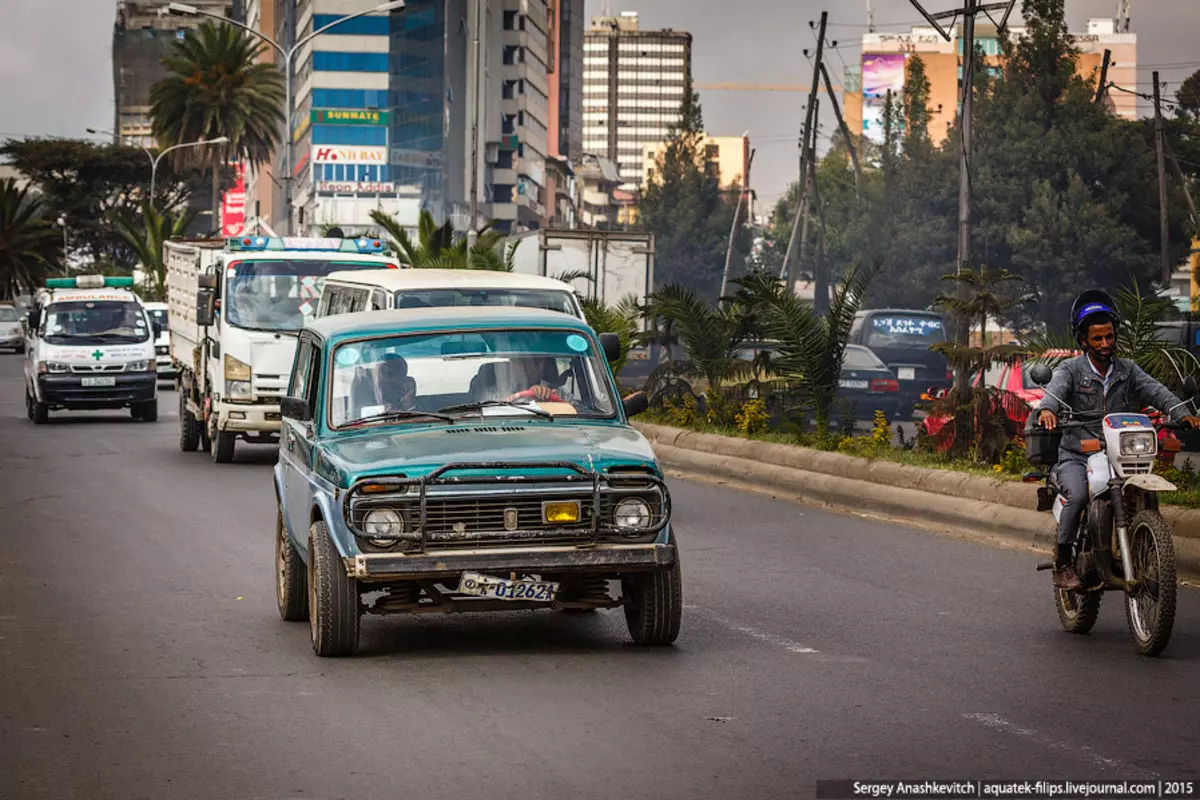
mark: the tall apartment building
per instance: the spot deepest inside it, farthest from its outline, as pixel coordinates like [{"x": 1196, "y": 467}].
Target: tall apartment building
[
  {"x": 885, "y": 56},
  {"x": 142, "y": 37},
  {"x": 633, "y": 84}
]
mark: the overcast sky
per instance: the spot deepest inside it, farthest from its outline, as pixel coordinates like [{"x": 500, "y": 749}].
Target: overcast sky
[{"x": 56, "y": 60}]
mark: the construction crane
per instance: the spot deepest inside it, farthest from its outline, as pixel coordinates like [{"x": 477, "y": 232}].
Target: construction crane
[{"x": 754, "y": 87}]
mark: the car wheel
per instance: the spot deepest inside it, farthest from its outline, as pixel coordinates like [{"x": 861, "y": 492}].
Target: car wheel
[
  {"x": 333, "y": 601},
  {"x": 149, "y": 411},
  {"x": 655, "y": 610},
  {"x": 41, "y": 413},
  {"x": 291, "y": 578}
]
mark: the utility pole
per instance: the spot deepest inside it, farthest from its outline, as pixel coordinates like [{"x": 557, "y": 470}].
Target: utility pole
[
  {"x": 1163, "y": 232},
  {"x": 473, "y": 230},
  {"x": 964, "y": 164},
  {"x": 810, "y": 151},
  {"x": 737, "y": 212},
  {"x": 1102, "y": 87},
  {"x": 810, "y": 112}
]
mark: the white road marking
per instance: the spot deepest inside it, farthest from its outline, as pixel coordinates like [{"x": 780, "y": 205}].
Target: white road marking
[
  {"x": 755, "y": 633},
  {"x": 1080, "y": 751}
]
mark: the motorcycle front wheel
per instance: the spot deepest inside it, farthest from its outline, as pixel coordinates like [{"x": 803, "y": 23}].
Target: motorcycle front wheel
[
  {"x": 1077, "y": 611},
  {"x": 1150, "y": 609}
]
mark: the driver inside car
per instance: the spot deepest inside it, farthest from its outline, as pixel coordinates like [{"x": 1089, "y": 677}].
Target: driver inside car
[{"x": 538, "y": 378}]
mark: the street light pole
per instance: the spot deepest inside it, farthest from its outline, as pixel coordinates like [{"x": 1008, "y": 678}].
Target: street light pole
[
  {"x": 155, "y": 160},
  {"x": 190, "y": 10}
]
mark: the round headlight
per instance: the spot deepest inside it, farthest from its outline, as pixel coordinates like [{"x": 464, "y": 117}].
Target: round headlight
[
  {"x": 632, "y": 513},
  {"x": 383, "y": 522}
]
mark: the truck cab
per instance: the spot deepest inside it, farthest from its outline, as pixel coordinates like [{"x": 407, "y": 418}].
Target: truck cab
[
  {"x": 236, "y": 307},
  {"x": 90, "y": 345}
]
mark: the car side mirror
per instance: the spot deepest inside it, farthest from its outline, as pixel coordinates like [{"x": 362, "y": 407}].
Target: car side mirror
[
  {"x": 295, "y": 408},
  {"x": 635, "y": 404},
  {"x": 206, "y": 281},
  {"x": 612, "y": 346},
  {"x": 1040, "y": 374},
  {"x": 1190, "y": 389},
  {"x": 205, "y": 307}
]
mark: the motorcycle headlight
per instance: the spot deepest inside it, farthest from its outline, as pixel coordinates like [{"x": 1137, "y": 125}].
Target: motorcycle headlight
[
  {"x": 236, "y": 370},
  {"x": 632, "y": 513},
  {"x": 383, "y": 522},
  {"x": 1139, "y": 443},
  {"x": 139, "y": 366},
  {"x": 52, "y": 367},
  {"x": 237, "y": 389}
]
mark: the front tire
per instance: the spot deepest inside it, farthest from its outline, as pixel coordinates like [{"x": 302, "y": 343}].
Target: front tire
[
  {"x": 189, "y": 429},
  {"x": 655, "y": 610},
  {"x": 41, "y": 413},
  {"x": 1150, "y": 610},
  {"x": 150, "y": 411},
  {"x": 333, "y": 602},
  {"x": 291, "y": 578},
  {"x": 1077, "y": 611},
  {"x": 223, "y": 446}
]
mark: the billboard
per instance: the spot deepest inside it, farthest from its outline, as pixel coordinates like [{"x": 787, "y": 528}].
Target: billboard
[
  {"x": 233, "y": 205},
  {"x": 881, "y": 72},
  {"x": 349, "y": 116},
  {"x": 345, "y": 154},
  {"x": 357, "y": 187},
  {"x": 421, "y": 159}
]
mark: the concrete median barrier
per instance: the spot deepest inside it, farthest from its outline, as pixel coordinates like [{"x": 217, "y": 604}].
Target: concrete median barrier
[{"x": 957, "y": 502}]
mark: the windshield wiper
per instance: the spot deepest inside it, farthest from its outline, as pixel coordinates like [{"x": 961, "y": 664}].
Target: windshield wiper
[
  {"x": 390, "y": 415},
  {"x": 493, "y": 403}
]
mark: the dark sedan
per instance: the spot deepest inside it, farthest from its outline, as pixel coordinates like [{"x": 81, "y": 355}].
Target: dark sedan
[{"x": 867, "y": 383}]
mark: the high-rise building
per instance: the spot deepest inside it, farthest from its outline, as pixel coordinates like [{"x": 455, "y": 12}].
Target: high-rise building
[
  {"x": 633, "y": 84},
  {"x": 885, "y": 57},
  {"x": 142, "y": 37}
]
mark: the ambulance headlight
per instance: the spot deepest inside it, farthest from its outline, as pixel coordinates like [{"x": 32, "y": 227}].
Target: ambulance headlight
[
  {"x": 1139, "y": 443},
  {"x": 52, "y": 367},
  {"x": 139, "y": 366}
]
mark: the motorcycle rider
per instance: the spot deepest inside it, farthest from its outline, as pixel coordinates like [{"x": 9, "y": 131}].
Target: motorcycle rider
[{"x": 1094, "y": 384}]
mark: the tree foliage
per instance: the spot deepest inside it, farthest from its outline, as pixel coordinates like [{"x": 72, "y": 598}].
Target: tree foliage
[
  {"x": 29, "y": 244},
  {"x": 1064, "y": 192},
  {"x": 146, "y": 236},
  {"x": 87, "y": 183},
  {"x": 216, "y": 86},
  {"x": 685, "y": 208},
  {"x": 437, "y": 247}
]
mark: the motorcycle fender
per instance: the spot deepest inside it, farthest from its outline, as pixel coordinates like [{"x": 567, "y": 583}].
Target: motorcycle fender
[
  {"x": 1098, "y": 474},
  {"x": 1059, "y": 503},
  {"x": 1151, "y": 483}
]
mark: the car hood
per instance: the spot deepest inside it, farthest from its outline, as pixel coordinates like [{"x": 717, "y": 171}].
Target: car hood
[{"x": 415, "y": 453}]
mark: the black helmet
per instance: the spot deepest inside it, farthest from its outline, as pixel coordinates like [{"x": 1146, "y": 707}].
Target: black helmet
[{"x": 1093, "y": 307}]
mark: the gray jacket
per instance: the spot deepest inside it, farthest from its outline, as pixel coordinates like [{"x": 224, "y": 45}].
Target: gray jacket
[{"x": 1130, "y": 390}]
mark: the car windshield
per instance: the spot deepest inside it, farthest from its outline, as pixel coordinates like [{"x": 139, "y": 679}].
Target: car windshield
[
  {"x": 860, "y": 358},
  {"x": 8, "y": 315},
  {"x": 549, "y": 299},
  {"x": 95, "y": 322},
  {"x": 277, "y": 295},
  {"x": 904, "y": 330},
  {"x": 466, "y": 374}
]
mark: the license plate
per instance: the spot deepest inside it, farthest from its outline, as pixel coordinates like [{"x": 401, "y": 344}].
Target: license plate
[
  {"x": 477, "y": 585},
  {"x": 849, "y": 384},
  {"x": 99, "y": 381},
  {"x": 906, "y": 373}
]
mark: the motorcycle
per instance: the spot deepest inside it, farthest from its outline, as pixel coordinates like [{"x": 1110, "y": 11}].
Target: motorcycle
[{"x": 1122, "y": 498}]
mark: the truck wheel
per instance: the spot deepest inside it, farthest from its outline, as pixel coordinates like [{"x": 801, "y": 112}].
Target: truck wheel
[
  {"x": 333, "y": 601},
  {"x": 222, "y": 447},
  {"x": 291, "y": 579},
  {"x": 189, "y": 431},
  {"x": 656, "y": 608}
]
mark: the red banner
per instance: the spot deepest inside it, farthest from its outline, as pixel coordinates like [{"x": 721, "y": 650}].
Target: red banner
[{"x": 233, "y": 205}]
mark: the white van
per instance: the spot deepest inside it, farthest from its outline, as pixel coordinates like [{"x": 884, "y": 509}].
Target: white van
[
  {"x": 162, "y": 345},
  {"x": 378, "y": 289},
  {"x": 90, "y": 345}
]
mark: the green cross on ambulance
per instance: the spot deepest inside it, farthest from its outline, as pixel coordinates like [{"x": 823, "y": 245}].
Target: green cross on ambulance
[{"x": 90, "y": 345}]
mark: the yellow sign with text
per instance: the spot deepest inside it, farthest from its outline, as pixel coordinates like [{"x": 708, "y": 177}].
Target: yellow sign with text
[{"x": 349, "y": 116}]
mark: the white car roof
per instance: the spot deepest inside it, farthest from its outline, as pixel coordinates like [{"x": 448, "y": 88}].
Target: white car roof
[{"x": 396, "y": 279}]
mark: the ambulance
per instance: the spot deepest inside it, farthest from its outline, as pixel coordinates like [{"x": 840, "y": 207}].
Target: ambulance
[{"x": 90, "y": 345}]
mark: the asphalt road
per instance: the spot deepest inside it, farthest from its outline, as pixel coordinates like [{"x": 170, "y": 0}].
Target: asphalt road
[{"x": 141, "y": 655}]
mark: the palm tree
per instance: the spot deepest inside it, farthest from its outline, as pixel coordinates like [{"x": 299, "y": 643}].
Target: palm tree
[
  {"x": 215, "y": 86},
  {"x": 146, "y": 241},
  {"x": 29, "y": 245},
  {"x": 811, "y": 346},
  {"x": 624, "y": 319},
  {"x": 436, "y": 247},
  {"x": 713, "y": 338}
]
